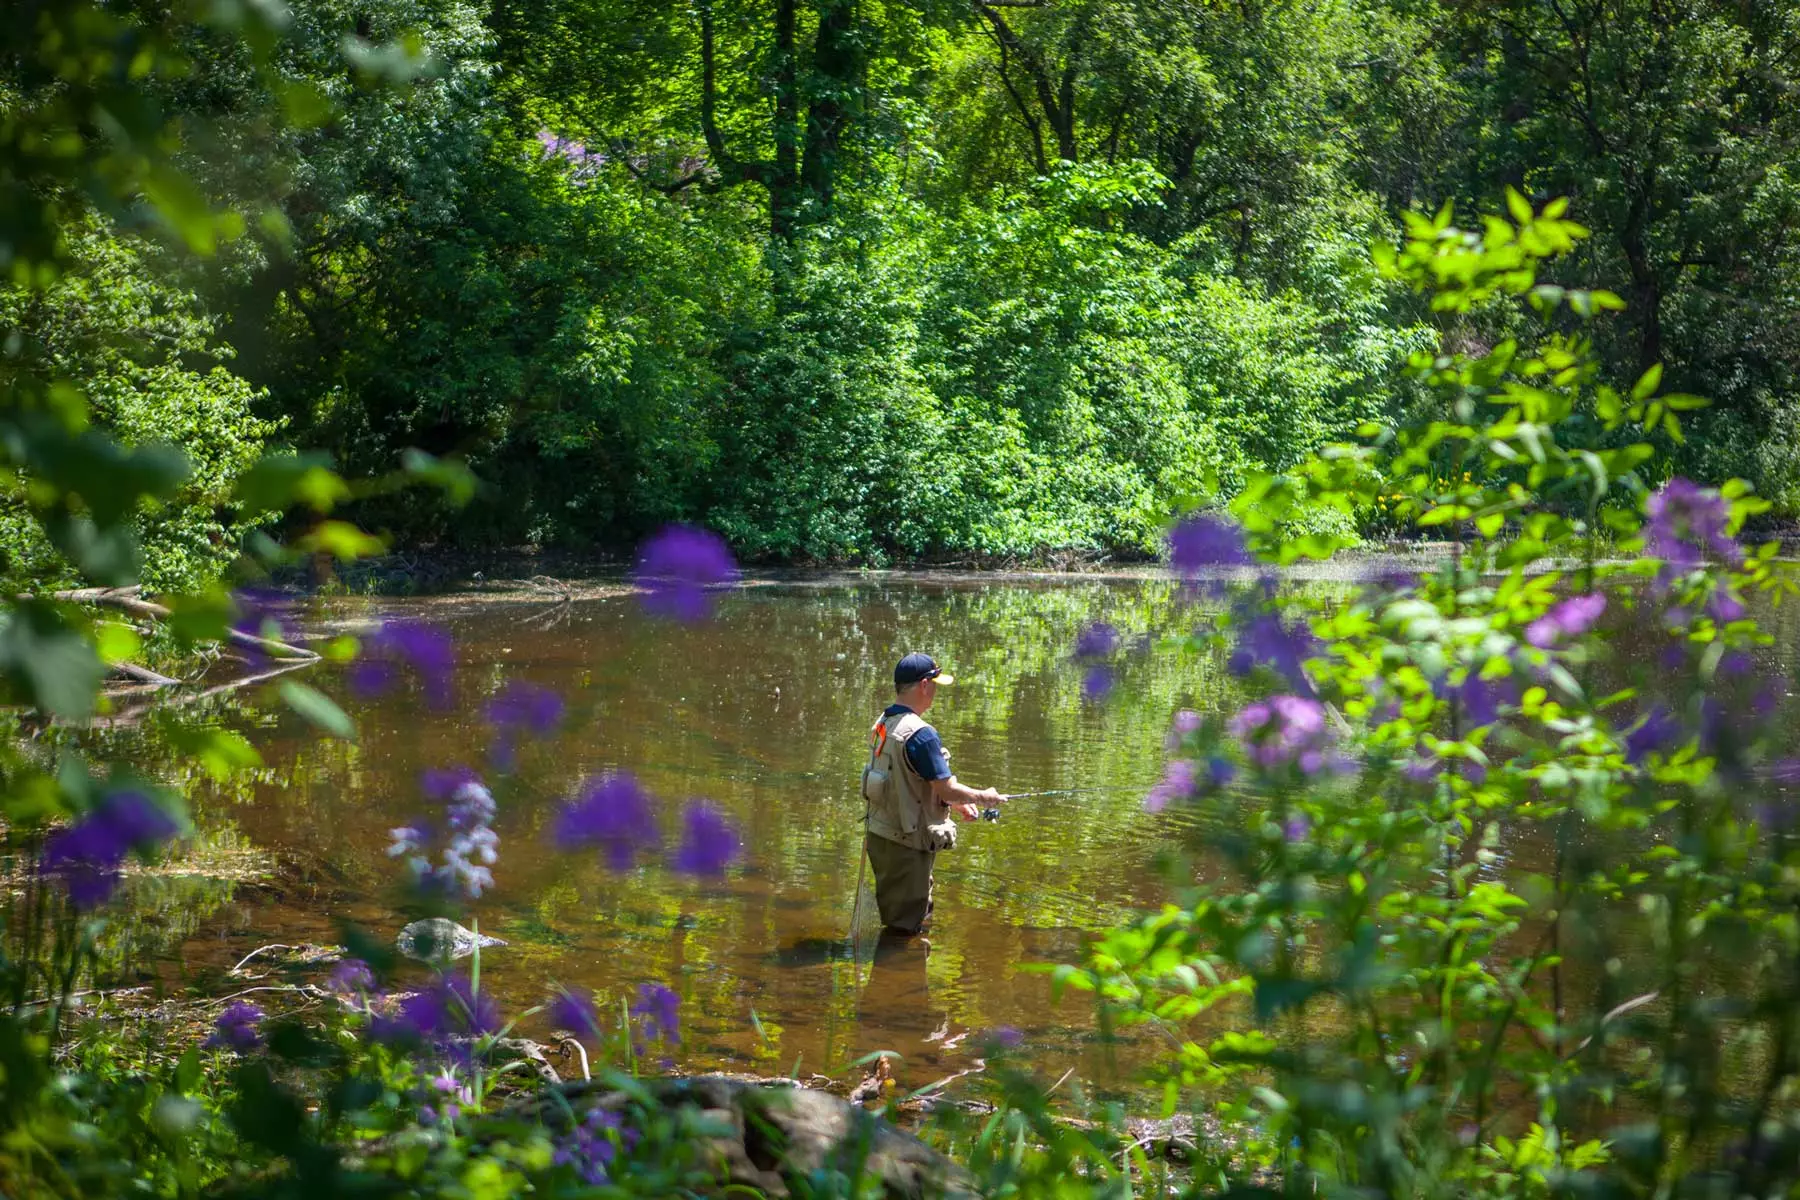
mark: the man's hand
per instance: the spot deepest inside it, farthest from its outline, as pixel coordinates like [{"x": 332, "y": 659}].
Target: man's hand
[
  {"x": 968, "y": 812},
  {"x": 991, "y": 795}
]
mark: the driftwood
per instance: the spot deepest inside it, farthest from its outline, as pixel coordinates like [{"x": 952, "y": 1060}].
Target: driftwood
[
  {"x": 126, "y": 599},
  {"x": 285, "y": 657},
  {"x": 139, "y": 674}
]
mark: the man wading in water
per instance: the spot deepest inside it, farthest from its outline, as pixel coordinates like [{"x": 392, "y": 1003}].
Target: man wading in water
[{"x": 911, "y": 794}]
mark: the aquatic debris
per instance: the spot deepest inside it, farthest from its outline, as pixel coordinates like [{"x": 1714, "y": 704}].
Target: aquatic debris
[{"x": 439, "y": 939}]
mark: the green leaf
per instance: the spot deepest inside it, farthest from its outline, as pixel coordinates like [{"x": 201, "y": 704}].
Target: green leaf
[
  {"x": 317, "y": 708},
  {"x": 280, "y": 481},
  {"x": 187, "y": 1071},
  {"x": 1647, "y": 383},
  {"x": 49, "y": 663},
  {"x": 341, "y": 540}
]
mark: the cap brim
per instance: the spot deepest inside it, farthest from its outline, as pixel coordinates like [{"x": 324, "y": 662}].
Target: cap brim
[{"x": 944, "y": 678}]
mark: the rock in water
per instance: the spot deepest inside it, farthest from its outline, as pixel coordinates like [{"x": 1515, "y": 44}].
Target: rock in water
[{"x": 439, "y": 939}]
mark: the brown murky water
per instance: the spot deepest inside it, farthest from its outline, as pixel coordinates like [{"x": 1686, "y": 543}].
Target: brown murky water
[{"x": 763, "y": 710}]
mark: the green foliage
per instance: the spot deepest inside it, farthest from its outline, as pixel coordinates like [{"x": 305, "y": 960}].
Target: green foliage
[
  {"x": 1410, "y": 1020},
  {"x": 150, "y": 365}
]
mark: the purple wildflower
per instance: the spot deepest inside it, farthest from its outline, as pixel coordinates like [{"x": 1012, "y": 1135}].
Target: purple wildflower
[
  {"x": 677, "y": 565},
  {"x": 1187, "y": 721},
  {"x": 1687, "y": 522},
  {"x": 613, "y": 814},
  {"x": 1265, "y": 641},
  {"x": 451, "y": 1007},
  {"x": 1724, "y": 605},
  {"x": 87, "y": 855},
  {"x": 573, "y": 1011},
  {"x": 1296, "y": 827},
  {"x": 709, "y": 842},
  {"x": 444, "y": 1096},
  {"x": 470, "y": 845},
  {"x": 473, "y": 844},
  {"x": 351, "y": 978},
  {"x": 1178, "y": 783},
  {"x": 659, "y": 1010},
  {"x": 589, "y": 1148},
  {"x": 1480, "y": 698},
  {"x": 1567, "y": 619},
  {"x": 1286, "y": 731},
  {"x": 261, "y": 612},
  {"x": 236, "y": 1029},
  {"x": 1658, "y": 732},
  {"x": 1004, "y": 1037},
  {"x": 425, "y": 649},
  {"x": 1203, "y": 541},
  {"x": 521, "y": 707},
  {"x": 1096, "y": 641},
  {"x": 441, "y": 783},
  {"x": 1097, "y": 682}
]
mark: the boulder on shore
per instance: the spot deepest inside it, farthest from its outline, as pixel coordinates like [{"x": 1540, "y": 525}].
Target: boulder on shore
[{"x": 766, "y": 1137}]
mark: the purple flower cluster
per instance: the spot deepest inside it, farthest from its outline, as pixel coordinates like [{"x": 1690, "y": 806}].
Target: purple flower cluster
[
  {"x": 614, "y": 814},
  {"x": 572, "y": 1010},
  {"x": 1184, "y": 778},
  {"x": 1566, "y": 619},
  {"x": 1659, "y": 732},
  {"x": 658, "y": 1010},
  {"x": 677, "y": 566},
  {"x": 709, "y": 843},
  {"x": 590, "y": 1147},
  {"x": 352, "y": 977},
  {"x": 1286, "y": 732},
  {"x": 470, "y": 845},
  {"x": 423, "y": 649},
  {"x": 1093, "y": 645},
  {"x": 1479, "y": 699},
  {"x": 1688, "y": 522},
  {"x": 263, "y": 613},
  {"x": 444, "y": 1098},
  {"x": 1003, "y": 1037},
  {"x": 237, "y": 1029},
  {"x": 1265, "y": 641},
  {"x": 450, "y": 1008},
  {"x": 1203, "y": 541},
  {"x": 87, "y": 855},
  {"x": 521, "y": 708}
]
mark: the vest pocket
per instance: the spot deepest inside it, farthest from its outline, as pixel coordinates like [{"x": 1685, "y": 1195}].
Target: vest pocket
[{"x": 874, "y": 784}]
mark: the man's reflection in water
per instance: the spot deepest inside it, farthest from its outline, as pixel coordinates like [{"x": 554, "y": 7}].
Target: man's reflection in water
[{"x": 896, "y": 1005}]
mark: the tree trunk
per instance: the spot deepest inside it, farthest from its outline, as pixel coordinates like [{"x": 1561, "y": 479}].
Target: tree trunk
[{"x": 837, "y": 68}]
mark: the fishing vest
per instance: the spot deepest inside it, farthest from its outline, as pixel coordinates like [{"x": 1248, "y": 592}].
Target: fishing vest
[{"x": 901, "y": 805}]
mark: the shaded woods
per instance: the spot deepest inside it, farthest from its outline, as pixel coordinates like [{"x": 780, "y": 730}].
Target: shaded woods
[{"x": 855, "y": 282}]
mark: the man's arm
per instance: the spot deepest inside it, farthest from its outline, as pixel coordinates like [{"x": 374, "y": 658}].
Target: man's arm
[{"x": 961, "y": 798}]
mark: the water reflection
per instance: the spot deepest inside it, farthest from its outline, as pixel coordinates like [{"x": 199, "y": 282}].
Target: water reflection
[{"x": 764, "y": 711}]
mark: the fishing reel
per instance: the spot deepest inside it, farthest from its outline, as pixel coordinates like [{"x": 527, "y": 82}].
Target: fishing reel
[{"x": 990, "y": 814}]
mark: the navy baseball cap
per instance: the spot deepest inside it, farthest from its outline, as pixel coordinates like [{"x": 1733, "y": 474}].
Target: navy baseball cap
[{"x": 915, "y": 667}]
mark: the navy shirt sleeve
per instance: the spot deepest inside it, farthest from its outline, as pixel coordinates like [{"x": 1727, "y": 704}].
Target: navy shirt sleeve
[{"x": 925, "y": 754}]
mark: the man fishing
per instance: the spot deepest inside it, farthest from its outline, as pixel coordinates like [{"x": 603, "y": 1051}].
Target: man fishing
[{"x": 911, "y": 795}]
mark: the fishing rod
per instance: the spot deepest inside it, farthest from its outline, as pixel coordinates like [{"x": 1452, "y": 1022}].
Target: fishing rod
[{"x": 993, "y": 814}]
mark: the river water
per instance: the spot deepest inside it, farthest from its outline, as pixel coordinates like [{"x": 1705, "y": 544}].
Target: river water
[{"x": 763, "y": 710}]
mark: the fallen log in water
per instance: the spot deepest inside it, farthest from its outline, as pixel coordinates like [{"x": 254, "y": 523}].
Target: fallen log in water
[{"x": 126, "y": 599}]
